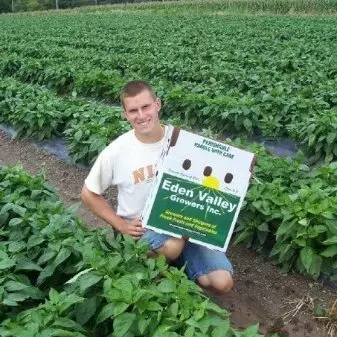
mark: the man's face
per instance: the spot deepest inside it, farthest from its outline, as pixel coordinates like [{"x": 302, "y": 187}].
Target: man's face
[{"x": 142, "y": 112}]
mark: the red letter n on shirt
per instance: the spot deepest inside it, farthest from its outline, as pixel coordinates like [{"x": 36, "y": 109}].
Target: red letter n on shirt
[{"x": 142, "y": 174}]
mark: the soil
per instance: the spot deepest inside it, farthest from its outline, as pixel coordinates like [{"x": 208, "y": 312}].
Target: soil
[{"x": 261, "y": 293}]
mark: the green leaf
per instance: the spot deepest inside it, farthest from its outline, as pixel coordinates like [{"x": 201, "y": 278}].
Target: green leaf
[
  {"x": 45, "y": 273},
  {"x": 242, "y": 237},
  {"x": 78, "y": 135},
  {"x": 16, "y": 246},
  {"x": 54, "y": 332},
  {"x": 216, "y": 309},
  {"x": 123, "y": 323},
  {"x": 125, "y": 287},
  {"x": 19, "y": 210},
  {"x": 46, "y": 256},
  {"x": 252, "y": 331},
  {"x": 67, "y": 300},
  {"x": 14, "y": 222},
  {"x": 263, "y": 227},
  {"x": 153, "y": 306},
  {"x": 88, "y": 280},
  {"x": 328, "y": 158},
  {"x": 4, "y": 218},
  {"x": 9, "y": 302},
  {"x": 33, "y": 292},
  {"x": 86, "y": 309},
  {"x": 34, "y": 240},
  {"x": 332, "y": 240},
  {"x": 3, "y": 254},
  {"x": 36, "y": 193},
  {"x": 120, "y": 307},
  {"x": 190, "y": 331},
  {"x": 25, "y": 264},
  {"x": 40, "y": 122},
  {"x": 161, "y": 262},
  {"x": 319, "y": 311},
  {"x": 164, "y": 329},
  {"x": 331, "y": 137},
  {"x": 106, "y": 312},
  {"x": 330, "y": 251},
  {"x": 315, "y": 268},
  {"x": 61, "y": 256},
  {"x": 143, "y": 323},
  {"x": 166, "y": 286},
  {"x": 284, "y": 228},
  {"x": 316, "y": 230},
  {"x": 173, "y": 309},
  {"x": 307, "y": 256},
  {"x": 303, "y": 222},
  {"x": 312, "y": 138},
  {"x": 222, "y": 329},
  {"x": 247, "y": 124},
  {"x": 53, "y": 295},
  {"x": 15, "y": 286},
  {"x": 67, "y": 323},
  {"x": 7, "y": 263},
  {"x": 17, "y": 296}
]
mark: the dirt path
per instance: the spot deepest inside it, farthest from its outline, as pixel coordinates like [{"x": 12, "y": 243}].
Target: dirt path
[{"x": 261, "y": 293}]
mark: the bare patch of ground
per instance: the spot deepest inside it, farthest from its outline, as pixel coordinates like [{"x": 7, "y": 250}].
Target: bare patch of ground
[{"x": 261, "y": 293}]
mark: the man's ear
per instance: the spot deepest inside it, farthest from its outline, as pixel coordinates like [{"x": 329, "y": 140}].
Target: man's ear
[
  {"x": 123, "y": 114},
  {"x": 158, "y": 103}
]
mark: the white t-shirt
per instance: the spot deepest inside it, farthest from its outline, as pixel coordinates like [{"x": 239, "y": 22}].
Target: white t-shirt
[{"x": 130, "y": 165}]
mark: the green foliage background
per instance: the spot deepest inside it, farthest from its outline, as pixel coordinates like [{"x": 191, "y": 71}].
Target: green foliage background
[
  {"x": 57, "y": 278},
  {"x": 7, "y": 6},
  {"x": 245, "y": 74}
]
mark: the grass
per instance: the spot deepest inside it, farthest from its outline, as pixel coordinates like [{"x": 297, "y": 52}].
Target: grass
[{"x": 330, "y": 320}]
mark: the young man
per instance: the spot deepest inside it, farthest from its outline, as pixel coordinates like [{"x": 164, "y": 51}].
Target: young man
[{"x": 129, "y": 163}]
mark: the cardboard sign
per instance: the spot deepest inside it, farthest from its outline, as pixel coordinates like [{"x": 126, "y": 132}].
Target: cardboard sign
[{"x": 199, "y": 188}]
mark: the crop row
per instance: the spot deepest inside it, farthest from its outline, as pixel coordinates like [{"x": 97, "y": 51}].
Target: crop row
[
  {"x": 273, "y": 76},
  {"x": 57, "y": 278},
  {"x": 318, "y": 131},
  {"x": 236, "y": 6},
  {"x": 291, "y": 212},
  {"x": 286, "y": 197},
  {"x": 36, "y": 112}
]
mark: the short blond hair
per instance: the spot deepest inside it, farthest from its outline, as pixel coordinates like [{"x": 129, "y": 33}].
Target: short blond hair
[{"x": 133, "y": 88}]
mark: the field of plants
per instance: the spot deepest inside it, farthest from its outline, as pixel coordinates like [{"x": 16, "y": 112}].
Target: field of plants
[
  {"x": 57, "y": 278},
  {"x": 60, "y": 76},
  {"x": 269, "y": 76}
]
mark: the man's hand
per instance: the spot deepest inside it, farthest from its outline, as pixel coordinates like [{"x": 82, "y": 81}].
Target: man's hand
[
  {"x": 133, "y": 228},
  {"x": 100, "y": 207}
]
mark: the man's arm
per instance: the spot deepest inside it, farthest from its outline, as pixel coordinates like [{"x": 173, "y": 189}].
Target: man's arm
[{"x": 98, "y": 205}]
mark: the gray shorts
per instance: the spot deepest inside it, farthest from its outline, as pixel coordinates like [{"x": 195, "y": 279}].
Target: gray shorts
[{"x": 199, "y": 260}]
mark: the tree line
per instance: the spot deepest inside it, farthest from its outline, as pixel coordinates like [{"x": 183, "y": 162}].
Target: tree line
[{"x": 7, "y": 6}]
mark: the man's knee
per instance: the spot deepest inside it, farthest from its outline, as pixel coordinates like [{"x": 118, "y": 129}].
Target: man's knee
[
  {"x": 225, "y": 285},
  {"x": 172, "y": 248},
  {"x": 220, "y": 281}
]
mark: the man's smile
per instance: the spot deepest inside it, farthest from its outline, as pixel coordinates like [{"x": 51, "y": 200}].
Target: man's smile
[{"x": 144, "y": 123}]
